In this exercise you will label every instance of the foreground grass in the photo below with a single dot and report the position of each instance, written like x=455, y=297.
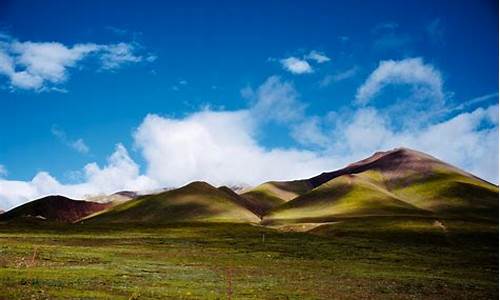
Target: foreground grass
x=373, y=258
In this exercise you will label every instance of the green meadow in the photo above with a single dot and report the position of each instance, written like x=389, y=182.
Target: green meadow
x=365, y=258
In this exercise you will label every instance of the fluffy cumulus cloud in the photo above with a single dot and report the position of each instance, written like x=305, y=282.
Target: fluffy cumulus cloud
x=120, y=173
x=222, y=147
x=468, y=140
x=296, y=65
x=41, y=66
x=219, y=147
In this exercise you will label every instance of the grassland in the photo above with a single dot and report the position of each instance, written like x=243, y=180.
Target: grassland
x=369, y=258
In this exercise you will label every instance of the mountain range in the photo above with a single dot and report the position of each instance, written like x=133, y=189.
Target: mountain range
x=400, y=182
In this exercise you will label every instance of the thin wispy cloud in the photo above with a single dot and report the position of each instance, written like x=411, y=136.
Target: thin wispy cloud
x=3, y=171
x=319, y=57
x=412, y=71
x=384, y=27
x=117, y=55
x=435, y=31
x=117, y=31
x=275, y=100
x=80, y=146
x=339, y=76
x=388, y=37
x=77, y=145
x=344, y=38
x=472, y=102
x=180, y=84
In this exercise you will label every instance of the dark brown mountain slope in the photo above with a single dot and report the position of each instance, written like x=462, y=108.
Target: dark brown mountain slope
x=53, y=208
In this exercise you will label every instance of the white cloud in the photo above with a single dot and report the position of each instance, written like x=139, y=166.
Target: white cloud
x=219, y=147
x=117, y=31
x=180, y=84
x=40, y=66
x=424, y=78
x=222, y=147
x=48, y=61
x=472, y=101
x=115, y=56
x=120, y=173
x=363, y=132
x=309, y=133
x=151, y=58
x=296, y=65
x=435, y=31
x=468, y=140
x=318, y=57
x=344, y=38
x=387, y=38
x=342, y=75
x=275, y=100
x=389, y=26
x=3, y=171
x=78, y=144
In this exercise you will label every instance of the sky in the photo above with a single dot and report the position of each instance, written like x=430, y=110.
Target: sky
x=102, y=96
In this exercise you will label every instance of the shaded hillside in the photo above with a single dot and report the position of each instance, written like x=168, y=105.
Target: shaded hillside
x=53, y=208
x=248, y=204
x=346, y=196
x=195, y=202
x=397, y=182
x=272, y=194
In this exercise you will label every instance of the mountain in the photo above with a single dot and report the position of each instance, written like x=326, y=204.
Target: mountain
x=271, y=194
x=53, y=208
x=195, y=202
x=401, y=182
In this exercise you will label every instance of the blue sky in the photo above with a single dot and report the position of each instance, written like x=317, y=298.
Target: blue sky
x=169, y=92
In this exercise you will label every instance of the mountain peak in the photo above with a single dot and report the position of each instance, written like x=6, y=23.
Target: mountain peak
x=391, y=160
x=199, y=185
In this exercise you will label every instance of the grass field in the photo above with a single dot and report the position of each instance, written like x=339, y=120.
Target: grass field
x=369, y=258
